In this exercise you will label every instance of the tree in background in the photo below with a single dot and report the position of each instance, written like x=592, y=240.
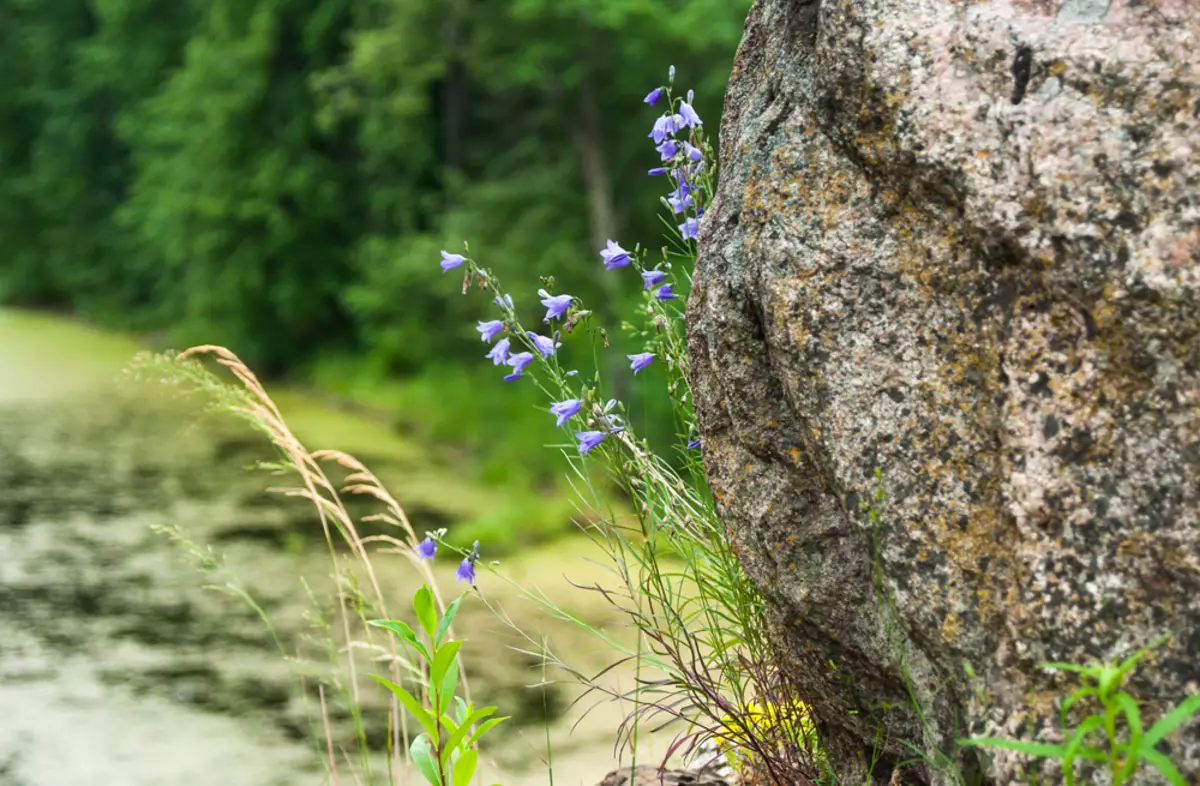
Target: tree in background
x=275, y=175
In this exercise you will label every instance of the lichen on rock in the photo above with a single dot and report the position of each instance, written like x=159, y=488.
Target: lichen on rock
x=960, y=242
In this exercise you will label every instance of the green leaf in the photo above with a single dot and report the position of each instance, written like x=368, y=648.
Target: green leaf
x=421, y=751
x=445, y=658
x=1171, y=721
x=447, y=620
x=1133, y=718
x=1075, y=747
x=403, y=631
x=446, y=689
x=485, y=727
x=411, y=704
x=465, y=768
x=1091, y=671
x=1069, y=702
x=1043, y=749
x=456, y=737
x=1164, y=766
x=423, y=605
x=461, y=709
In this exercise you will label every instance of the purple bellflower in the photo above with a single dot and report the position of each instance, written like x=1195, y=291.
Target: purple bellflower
x=589, y=440
x=693, y=153
x=614, y=256
x=488, y=330
x=466, y=569
x=451, y=261
x=690, y=229
x=666, y=292
x=694, y=444
x=652, y=278
x=507, y=301
x=426, y=549
x=499, y=353
x=668, y=149
x=690, y=118
x=544, y=345
x=556, y=305
x=518, y=361
x=666, y=127
x=654, y=97
x=565, y=410
x=658, y=170
x=640, y=361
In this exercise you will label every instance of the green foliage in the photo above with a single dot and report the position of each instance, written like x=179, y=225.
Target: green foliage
x=277, y=176
x=446, y=752
x=1112, y=735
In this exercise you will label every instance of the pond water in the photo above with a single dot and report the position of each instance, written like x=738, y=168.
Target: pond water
x=119, y=668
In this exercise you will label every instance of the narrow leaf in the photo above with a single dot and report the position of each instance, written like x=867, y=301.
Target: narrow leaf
x=485, y=727
x=1076, y=747
x=403, y=631
x=447, y=620
x=1043, y=749
x=1171, y=721
x=423, y=605
x=446, y=689
x=421, y=751
x=445, y=658
x=465, y=768
x=411, y=704
x=1164, y=767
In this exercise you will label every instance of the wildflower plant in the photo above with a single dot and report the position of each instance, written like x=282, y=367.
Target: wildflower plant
x=1113, y=735
x=446, y=751
x=699, y=619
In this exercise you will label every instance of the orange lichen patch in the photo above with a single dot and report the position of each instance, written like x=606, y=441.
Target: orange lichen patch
x=795, y=455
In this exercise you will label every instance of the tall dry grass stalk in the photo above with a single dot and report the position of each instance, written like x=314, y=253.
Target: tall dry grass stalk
x=250, y=401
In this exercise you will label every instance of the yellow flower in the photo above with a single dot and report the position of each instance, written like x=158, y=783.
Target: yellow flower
x=777, y=724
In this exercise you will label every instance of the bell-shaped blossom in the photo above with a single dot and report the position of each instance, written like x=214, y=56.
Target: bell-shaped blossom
x=565, y=410
x=488, y=330
x=614, y=256
x=668, y=149
x=690, y=229
x=465, y=572
x=426, y=549
x=654, y=96
x=666, y=292
x=640, y=361
x=544, y=345
x=556, y=305
x=652, y=278
x=451, y=261
x=589, y=440
x=518, y=361
x=499, y=353
x=690, y=118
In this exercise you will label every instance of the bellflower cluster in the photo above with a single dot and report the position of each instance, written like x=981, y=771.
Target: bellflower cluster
x=679, y=142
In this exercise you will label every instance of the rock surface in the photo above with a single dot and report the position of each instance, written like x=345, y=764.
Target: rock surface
x=652, y=775
x=960, y=242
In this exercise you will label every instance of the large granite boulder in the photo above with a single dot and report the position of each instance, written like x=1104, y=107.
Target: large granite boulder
x=960, y=242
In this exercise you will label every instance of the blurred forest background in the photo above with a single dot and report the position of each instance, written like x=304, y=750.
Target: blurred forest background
x=278, y=176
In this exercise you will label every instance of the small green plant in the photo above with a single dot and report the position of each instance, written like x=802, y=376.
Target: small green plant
x=1112, y=735
x=446, y=752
